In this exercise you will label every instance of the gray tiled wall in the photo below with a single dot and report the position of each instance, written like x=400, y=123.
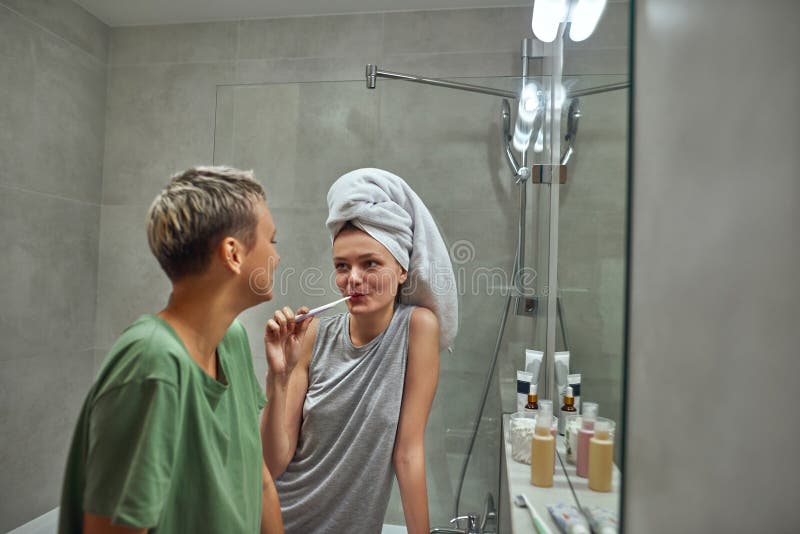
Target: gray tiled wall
x=52, y=104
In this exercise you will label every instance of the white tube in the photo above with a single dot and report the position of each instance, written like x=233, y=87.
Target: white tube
x=562, y=371
x=602, y=520
x=533, y=363
x=568, y=518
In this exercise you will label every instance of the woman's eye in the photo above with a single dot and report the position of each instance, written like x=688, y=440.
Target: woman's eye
x=373, y=264
x=340, y=266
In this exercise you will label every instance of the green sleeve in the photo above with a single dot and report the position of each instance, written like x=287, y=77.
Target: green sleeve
x=131, y=451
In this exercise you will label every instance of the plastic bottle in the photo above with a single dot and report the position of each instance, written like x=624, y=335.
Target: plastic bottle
x=601, y=456
x=553, y=426
x=584, y=435
x=566, y=410
x=543, y=447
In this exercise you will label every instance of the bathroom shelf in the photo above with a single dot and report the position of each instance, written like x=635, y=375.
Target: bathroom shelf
x=518, y=481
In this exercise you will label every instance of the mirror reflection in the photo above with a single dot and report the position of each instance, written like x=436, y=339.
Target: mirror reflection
x=510, y=134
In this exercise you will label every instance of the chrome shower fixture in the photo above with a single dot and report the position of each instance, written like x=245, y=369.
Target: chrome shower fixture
x=573, y=117
x=529, y=115
x=521, y=172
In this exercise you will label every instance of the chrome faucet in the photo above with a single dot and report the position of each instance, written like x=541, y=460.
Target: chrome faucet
x=475, y=524
x=472, y=526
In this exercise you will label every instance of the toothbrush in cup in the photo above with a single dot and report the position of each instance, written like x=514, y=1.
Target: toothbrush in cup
x=315, y=311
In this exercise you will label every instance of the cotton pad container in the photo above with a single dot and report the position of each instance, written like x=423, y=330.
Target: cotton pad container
x=520, y=433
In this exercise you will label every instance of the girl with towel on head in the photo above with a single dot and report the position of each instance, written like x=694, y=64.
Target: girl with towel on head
x=349, y=394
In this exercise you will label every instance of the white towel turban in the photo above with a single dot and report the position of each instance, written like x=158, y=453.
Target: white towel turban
x=384, y=206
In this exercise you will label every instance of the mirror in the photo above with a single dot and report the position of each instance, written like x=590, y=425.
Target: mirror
x=287, y=97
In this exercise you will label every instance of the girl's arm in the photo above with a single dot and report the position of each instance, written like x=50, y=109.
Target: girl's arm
x=271, y=521
x=422, y=374
x=288, y=346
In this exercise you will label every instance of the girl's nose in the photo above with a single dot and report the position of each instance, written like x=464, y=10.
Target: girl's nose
x=355, y=276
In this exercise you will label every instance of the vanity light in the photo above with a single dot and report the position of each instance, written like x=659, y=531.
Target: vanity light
x=585, y=14
x=547, y=15
x=582, y=14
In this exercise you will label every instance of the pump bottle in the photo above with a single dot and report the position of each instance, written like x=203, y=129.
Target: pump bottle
x=543, y=447
x=584, y=435
x=601, y=456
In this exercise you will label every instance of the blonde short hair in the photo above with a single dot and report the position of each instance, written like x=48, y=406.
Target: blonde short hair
x=198, y=208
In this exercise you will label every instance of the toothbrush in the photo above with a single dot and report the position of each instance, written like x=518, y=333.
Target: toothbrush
x=522, y=501
x=321, y=309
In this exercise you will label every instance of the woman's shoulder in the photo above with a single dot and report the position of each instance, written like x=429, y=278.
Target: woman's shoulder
x=423, y=322
x=423, y=339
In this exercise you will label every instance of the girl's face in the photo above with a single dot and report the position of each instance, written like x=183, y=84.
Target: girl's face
x=365, y=271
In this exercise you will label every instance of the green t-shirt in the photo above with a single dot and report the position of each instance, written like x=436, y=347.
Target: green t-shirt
x=161, y=445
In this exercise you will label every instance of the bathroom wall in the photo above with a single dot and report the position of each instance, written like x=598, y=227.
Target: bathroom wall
x=52, y=105
x=714, y=336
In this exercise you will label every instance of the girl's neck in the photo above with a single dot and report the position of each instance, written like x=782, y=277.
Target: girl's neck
x=366, y=327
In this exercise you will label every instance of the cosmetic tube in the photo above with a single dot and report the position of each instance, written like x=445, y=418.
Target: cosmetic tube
x=568, y=518
x=561, y=360
x=533, y=363
x=602, y=520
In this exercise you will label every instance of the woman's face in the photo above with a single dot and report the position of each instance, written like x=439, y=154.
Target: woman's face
x=263, y=258
x=365, y=271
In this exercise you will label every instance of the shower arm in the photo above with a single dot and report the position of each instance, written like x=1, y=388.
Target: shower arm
x=374, y=72
x=520, y=170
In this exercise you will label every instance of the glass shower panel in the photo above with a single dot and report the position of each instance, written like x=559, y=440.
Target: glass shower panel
x=591, y=256
x=446, y=144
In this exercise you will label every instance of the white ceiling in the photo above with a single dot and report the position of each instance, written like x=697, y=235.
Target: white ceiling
x=140, y=12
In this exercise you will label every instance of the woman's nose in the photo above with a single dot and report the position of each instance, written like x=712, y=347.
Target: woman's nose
x=355, y=276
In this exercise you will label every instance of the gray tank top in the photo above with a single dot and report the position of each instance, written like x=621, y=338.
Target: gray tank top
x=341, y=475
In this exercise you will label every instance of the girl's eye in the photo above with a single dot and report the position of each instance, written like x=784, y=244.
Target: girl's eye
x=340, y=266
x=372, y=263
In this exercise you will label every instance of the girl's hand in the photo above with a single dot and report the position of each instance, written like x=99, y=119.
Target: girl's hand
x=282, y=340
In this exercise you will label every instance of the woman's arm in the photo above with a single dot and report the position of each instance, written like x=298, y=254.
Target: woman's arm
x=95, y=524
x=271, y=522
x=288, y=347
x=422, y=374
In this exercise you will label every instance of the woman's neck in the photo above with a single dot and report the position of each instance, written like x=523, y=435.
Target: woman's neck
x=200, y=318
x=366, y=327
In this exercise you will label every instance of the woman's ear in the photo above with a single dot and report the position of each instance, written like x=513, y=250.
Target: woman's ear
x=403, y=276
x=231, y=254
